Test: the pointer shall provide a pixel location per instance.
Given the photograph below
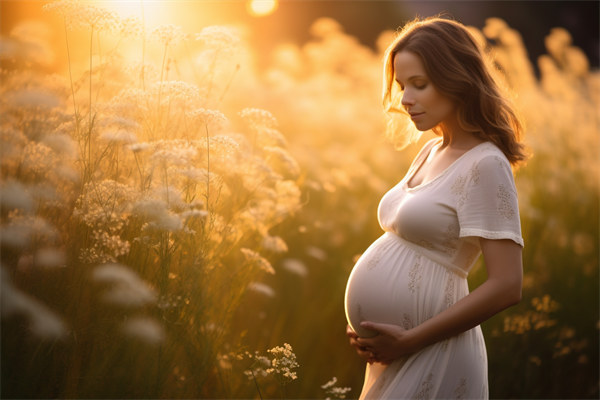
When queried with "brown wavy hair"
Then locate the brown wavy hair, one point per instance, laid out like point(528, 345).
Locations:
point(456, 67)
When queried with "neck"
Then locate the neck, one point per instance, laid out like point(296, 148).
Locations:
point(455, 137)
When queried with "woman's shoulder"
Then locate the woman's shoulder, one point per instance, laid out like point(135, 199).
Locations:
point(487, 159)
point(488, 152)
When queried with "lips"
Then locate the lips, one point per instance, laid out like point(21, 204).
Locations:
point(416, 115)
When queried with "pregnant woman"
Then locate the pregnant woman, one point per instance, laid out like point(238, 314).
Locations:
point(409, 310)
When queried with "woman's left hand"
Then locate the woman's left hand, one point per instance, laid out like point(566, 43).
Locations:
point(390, 343)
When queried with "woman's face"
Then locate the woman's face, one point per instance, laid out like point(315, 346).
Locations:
point(426, 106)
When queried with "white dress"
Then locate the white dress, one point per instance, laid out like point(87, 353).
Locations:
point(419, 266)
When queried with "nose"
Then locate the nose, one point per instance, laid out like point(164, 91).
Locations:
point(407, 99)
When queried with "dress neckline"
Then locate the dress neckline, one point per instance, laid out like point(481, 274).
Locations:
point(438, 176)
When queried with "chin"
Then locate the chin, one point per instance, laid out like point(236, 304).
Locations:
point(424, 127)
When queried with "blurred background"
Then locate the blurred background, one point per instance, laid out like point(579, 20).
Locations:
point(186, 185)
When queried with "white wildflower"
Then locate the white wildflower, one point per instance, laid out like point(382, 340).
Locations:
point(61, 144)
point(259, 365)
point(19, 232)
point(38, 159)
point(336, 392)
point(256, 117)
point(80, 14)
point(118, 136)
point(119, 123)
point(224, 149)
point(173, 152)
point(283, 363)
point(50, 257)
point(281, 161)
point(105, 204)
point(295, 266)
point(181, 92)
point(138, 147)
point(171, 195)
point(255, 259)
point(43, 322)
point(125, 288)
point(145, 329)
point(261, 288)
point(157, 214)
point(32, 99)
point(316, 252)
point(218, 37)
point(147, 208)
point(28, 43)
point(15, 195)
point(198, 174)
point(275, 244)
point(167, 222)
point(131, 27)
point(194, 214)
point(270, 137)
point(168, 34)
point(288, 197)
point(212, 119)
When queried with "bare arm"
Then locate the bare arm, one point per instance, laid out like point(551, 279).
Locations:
point(501, 289)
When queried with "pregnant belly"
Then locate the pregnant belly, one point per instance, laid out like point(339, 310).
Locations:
point(378, 287)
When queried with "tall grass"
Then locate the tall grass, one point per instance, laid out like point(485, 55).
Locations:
point(182, 225)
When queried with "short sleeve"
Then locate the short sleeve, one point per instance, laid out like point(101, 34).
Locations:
point(488, 205)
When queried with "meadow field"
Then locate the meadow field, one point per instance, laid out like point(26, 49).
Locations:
point(178, 222)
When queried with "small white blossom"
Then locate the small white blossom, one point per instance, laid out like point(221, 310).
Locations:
point(275, 244)
point(145, 329)
point(81, 14)
point(261, 288)
point(118, 136)
point(15, 195)
point(218, 37)
point(168, 34)
point(212, 119)
point(256, 117)
point(125, 287)
point(138, 147)
point(255, 259)
point(50, 257)
point(42, 321)
point(295, 266)
point(32, 99)
point(336, 392)
point(283, 362)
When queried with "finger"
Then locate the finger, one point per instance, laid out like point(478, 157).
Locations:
point(373, 326)
point(365, 342)
point(350, 332)
point(365, 354)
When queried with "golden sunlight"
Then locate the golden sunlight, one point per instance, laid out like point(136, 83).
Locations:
point(260, 8)
point(151, 12)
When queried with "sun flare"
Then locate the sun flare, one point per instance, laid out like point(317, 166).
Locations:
point(261, 8)
point(151, 12)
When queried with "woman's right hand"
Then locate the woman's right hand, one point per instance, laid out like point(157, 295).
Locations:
point(363, 352)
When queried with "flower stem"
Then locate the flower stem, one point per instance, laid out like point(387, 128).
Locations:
point(256, 383)
point(207, 169)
